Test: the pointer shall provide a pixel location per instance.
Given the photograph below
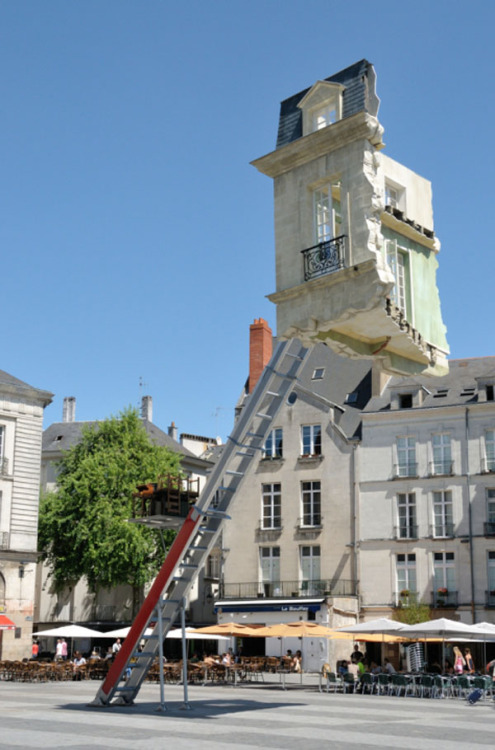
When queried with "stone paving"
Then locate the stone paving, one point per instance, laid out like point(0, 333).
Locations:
point(57, 715)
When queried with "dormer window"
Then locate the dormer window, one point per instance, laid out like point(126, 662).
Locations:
point(322, 106)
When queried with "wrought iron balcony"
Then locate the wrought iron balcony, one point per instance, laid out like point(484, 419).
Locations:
point(489, 528)
point(4, 467)
point(405, 597)
point(444, 598)
point(324, 258)
point(409, 469)
point(287, 589)
point(487, 465)
point(406, 532)
point(441, 468)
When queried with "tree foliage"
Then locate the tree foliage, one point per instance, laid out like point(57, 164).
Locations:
point(83, 526)
point(412, 613)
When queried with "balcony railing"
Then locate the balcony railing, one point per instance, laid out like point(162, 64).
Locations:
point(448, 599)
point(443, 530)
point(409, 469)
point(4, 467)
point(324, 258)
point(406, 532)
point(4, 539)
point(489, 527)
point(490, 598)
point(441, 468)
point(287, 589)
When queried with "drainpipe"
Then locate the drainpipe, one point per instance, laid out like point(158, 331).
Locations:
point(470, 515)
point(355, 521)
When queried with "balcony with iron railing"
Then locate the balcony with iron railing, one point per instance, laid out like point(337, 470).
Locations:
point(405, 469)
point(324, 258)
point(487, 465)
point(4, 467)
point(443, 530)
point(489, 528)
point(409, 531)
point(444, 598)
point(441, 468)
point(287, 589)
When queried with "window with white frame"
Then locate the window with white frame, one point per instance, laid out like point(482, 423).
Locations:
point(273, 447)
point(394, 195)
point(270, 569)
point(490, 511)
point(311, 440)
point(213, 565)
point(406, 511)
point(311, 503)
point(444, 573)
point(272, 506)
point(310, 568)
point(491, 576)
point(406, 456)
point(490, 450)
point(397, 259)
point(3, 468)
point(443, 518)
point(406, 574)
point(327, 214)
point(325, 115)
point(442, 453)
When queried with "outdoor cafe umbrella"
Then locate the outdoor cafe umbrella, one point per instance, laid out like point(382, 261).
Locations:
point(6, 623)
point(229, 629)
point(69, 631)
point(382, 625)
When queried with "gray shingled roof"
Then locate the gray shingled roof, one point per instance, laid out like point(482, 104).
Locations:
point(457, 388)
point(359, 94)
point(60, 436)
point(21, 387)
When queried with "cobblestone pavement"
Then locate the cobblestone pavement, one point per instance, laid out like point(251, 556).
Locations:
point(57, 715)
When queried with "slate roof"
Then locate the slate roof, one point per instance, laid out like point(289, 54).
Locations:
point(60, 436)
point(359, 94)
point(21, 387)
point(459, 387)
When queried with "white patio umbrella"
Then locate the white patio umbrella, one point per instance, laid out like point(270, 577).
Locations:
point(443, 628)
point(379, 625)
point(191, 634)
point(72, 632)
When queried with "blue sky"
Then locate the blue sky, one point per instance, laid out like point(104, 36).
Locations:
point(137, 240)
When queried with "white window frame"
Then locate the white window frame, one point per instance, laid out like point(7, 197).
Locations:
point(327, 216)
point(406, 573)
point(311, 503)
point(311, 440)
point(490, 505)
point(397, 258)
point(444, 572)
point(490, 450)
point(310, 568)
point(406, 456)
point(270, 569)
point(490, 574)
point(443, 514)
point(441, 443)
point(406, 515)
point(273, 447)
point(271, 505)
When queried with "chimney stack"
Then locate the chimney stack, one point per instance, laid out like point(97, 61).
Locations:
point(69, 410)
point(260, 350)
point(147, 408)
point(172, 431)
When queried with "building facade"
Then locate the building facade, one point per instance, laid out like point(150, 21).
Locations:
point(355, 249)
point(21, 425)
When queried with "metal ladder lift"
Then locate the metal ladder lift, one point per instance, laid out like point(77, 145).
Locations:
point(203, 524)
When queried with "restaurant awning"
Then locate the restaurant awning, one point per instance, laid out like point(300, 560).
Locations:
point(270, 605)
point(6, 623)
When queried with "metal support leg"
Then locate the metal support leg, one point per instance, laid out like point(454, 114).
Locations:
point(186, 706)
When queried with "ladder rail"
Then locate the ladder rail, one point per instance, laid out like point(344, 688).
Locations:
point(189, 550)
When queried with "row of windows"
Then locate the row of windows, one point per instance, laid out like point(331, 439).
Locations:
point(443, 515)
point(272, 504)
point(441, 452)
point(310, 442)
point(444, 576)
point(309, 563)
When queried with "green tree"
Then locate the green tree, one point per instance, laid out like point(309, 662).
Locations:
point(83, 526)
point(412, 613)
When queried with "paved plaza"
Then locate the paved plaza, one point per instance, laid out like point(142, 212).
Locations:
point(57, 715)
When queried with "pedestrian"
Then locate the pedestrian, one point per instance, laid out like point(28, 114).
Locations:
point(469, 667)
point(35, 649)
point(459, 661)
point(64, 649)
point(116, 646)
point(58, 650)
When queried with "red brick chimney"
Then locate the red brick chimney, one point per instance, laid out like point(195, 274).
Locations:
point(260, 350)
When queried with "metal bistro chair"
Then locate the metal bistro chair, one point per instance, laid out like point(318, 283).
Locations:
point(349, 683)
point(484, 683)
point(367, 683)
point(462, 686)
point(383, 683)
point(401, 685)
point(426, 686)
point(334, 683)
point(442, 687)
